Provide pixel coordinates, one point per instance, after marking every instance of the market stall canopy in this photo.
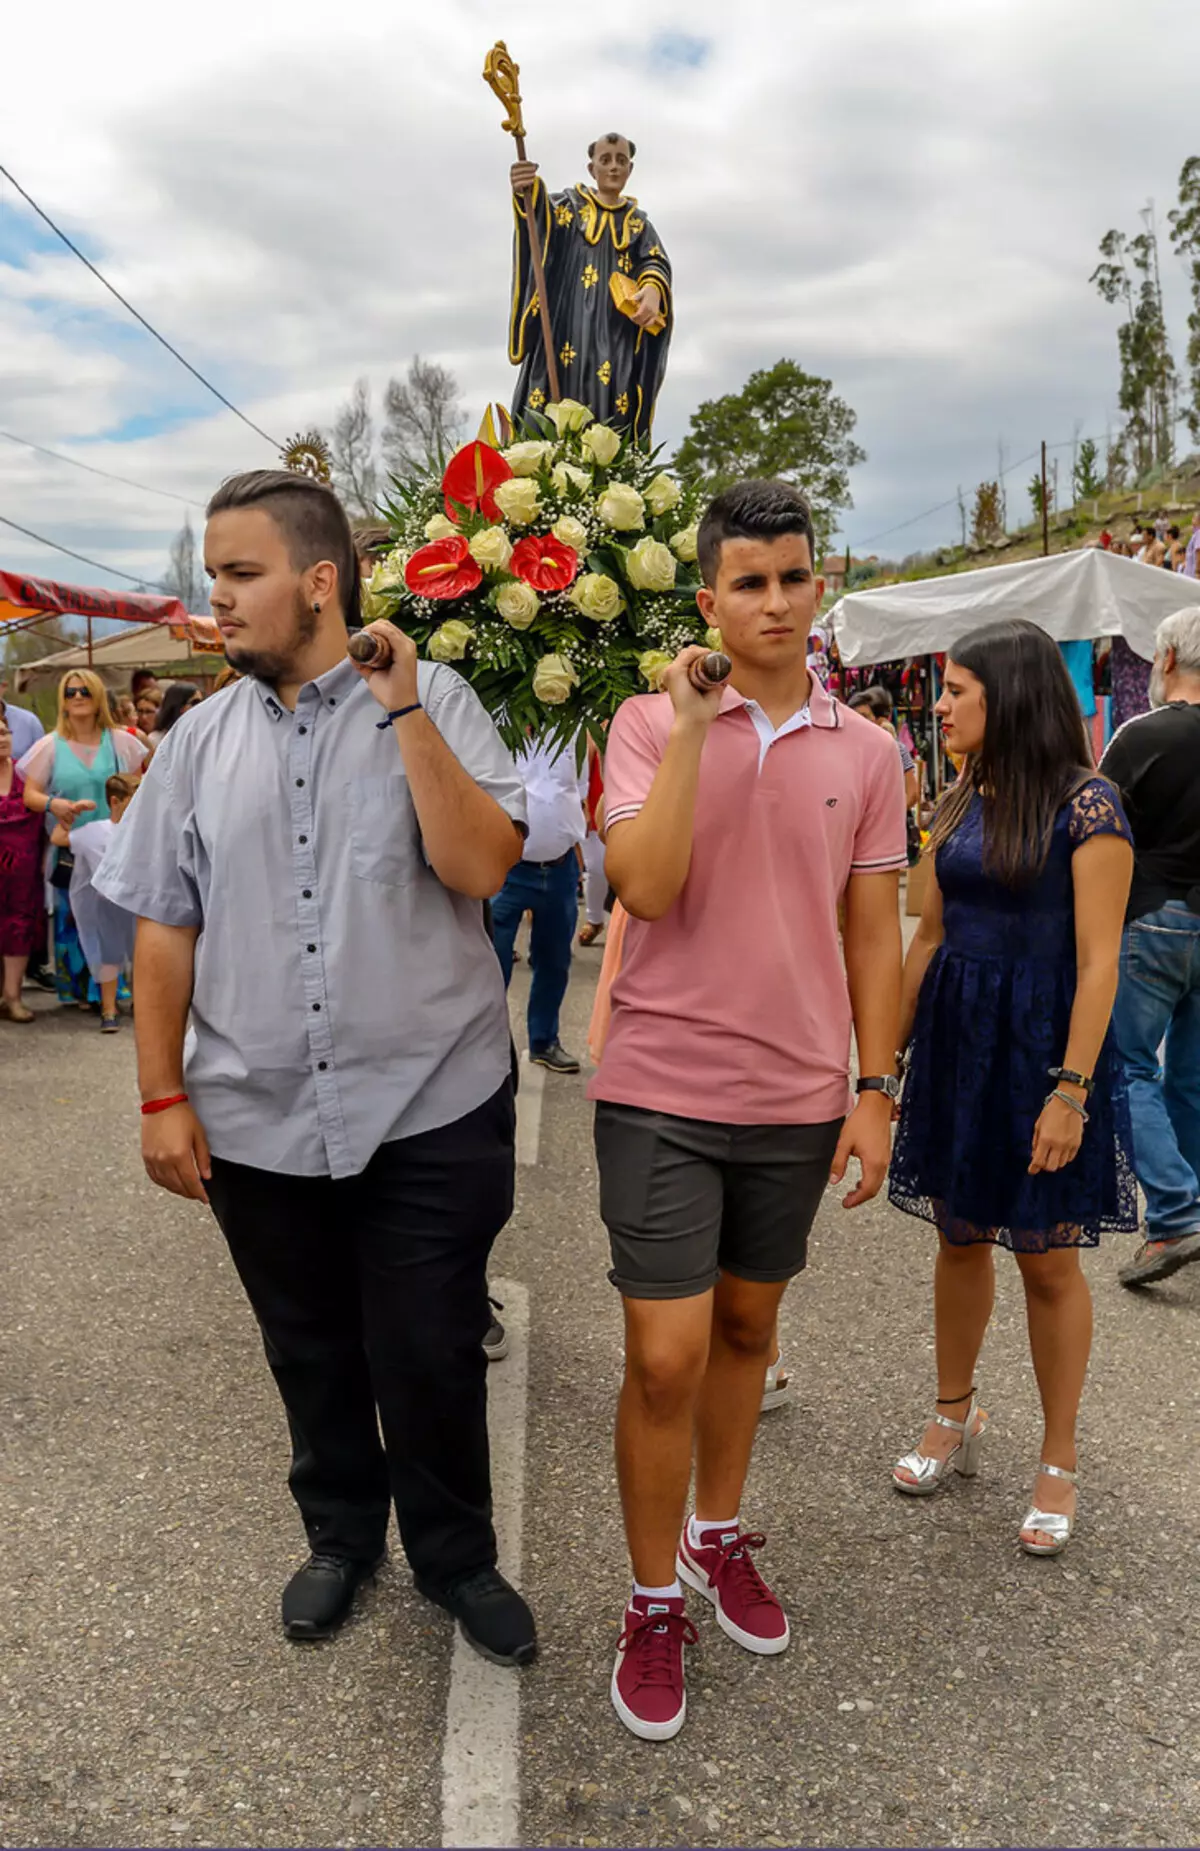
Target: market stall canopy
(115, 657)
(24, 600)
(1074, 597)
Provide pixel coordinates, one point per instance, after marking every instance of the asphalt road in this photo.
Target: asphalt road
(941, 1688)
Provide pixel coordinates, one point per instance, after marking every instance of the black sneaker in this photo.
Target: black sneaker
(555, 1057)
(319, 1596)
(495, 1344)
(491, 1615)
(43, 976)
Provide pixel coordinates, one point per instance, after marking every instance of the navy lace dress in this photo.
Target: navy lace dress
(992, 1017)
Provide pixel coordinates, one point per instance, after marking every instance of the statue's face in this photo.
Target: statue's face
(611, 165)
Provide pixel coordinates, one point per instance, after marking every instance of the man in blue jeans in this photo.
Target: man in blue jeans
(545, 882)
(1155, 763)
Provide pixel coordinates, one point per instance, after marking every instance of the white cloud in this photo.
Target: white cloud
(907, 199)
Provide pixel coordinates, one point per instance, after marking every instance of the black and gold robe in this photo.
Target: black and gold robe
(605, 360)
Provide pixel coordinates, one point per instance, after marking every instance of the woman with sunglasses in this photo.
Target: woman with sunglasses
(65, 774)
(1014, 1130)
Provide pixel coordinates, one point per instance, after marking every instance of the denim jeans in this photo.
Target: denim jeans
(550, 890)
(1157, 1014)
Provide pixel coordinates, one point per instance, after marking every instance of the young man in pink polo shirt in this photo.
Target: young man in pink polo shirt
(737, 822)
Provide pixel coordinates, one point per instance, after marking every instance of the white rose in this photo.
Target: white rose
(568, 415)
(490, 548)
(449, 643)
(651, 566)
(621, 507)
(553, 679)
(439, 528)
(597, 596)
(566, 476)
(601, 443)
(683, 544)
(389, 573)
(525, 459)
(662, 494)
(714, 639)
(571, 532)
(518, 500)
(651, 667)
(518, 604)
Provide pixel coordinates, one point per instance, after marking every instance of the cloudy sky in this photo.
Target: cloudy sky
(904, 198)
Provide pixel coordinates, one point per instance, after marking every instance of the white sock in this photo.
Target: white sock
(697, 1524)
(674, 1592)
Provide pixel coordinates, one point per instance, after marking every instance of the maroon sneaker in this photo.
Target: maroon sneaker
(722, 1571)
(647, 1680)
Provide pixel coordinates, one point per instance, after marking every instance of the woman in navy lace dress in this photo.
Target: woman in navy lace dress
(1014, 1130)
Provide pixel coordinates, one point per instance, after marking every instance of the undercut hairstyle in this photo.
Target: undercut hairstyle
(1036, 753)
(876, 698)
(121, 786)
(613, 136)
(311, 519)
(759, 509)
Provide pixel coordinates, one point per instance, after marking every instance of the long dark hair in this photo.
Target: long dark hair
(176, 696)
(1036, 752)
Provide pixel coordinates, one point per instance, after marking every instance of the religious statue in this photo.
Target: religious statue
(608, 291)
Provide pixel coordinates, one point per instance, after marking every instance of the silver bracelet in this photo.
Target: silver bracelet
(1067, 1100)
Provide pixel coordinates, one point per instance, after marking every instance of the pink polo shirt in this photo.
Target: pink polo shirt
(733, 1006)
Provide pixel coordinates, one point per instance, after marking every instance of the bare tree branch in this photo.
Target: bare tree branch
(423, 418)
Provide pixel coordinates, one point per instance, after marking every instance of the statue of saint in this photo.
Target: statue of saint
(608, 285)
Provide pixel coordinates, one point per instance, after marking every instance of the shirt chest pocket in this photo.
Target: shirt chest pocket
(385, 842)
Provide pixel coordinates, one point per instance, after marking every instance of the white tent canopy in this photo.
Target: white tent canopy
(1072, 596)
(114, 657)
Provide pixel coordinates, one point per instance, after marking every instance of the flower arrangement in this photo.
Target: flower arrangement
(558, 575)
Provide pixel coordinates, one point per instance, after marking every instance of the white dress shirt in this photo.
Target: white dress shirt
(556, 794)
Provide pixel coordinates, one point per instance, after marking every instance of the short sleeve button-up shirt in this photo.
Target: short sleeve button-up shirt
(343, 996)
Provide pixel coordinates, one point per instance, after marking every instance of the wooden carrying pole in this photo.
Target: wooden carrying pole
(501, 75)
(1045, 507)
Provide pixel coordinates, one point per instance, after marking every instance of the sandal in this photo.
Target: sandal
(590, 933)
(1051, 1523)
(927, 1472)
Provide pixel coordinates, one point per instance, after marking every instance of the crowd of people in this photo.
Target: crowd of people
(61, 794)
(338, 925)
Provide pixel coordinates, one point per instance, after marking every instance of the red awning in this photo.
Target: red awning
(24, 599)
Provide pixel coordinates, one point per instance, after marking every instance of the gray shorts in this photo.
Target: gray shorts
(685, 1199)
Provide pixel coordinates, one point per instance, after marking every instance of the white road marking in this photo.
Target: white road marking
(481, 1798)
(529, 1110)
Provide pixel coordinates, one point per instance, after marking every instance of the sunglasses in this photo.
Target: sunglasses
(77, 694)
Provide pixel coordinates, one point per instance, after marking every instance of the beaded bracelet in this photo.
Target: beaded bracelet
(1067, 1100)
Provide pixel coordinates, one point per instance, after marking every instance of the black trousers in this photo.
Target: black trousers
(371, 1295)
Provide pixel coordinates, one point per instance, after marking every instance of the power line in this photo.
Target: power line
(83, 559)
(953, 502)
(113, 291)
(94, 471)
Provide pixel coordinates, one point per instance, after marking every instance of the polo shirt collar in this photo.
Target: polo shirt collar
(330, 689)
(822, 708)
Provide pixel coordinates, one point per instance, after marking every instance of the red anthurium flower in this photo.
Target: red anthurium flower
(443, 569)
(472, 475)
(544, 562)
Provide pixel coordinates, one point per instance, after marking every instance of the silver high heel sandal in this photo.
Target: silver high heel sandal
(929, 1473)
(1050, 1522)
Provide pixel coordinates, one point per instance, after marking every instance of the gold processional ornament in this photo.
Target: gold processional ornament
(308, 455)
(503, 76)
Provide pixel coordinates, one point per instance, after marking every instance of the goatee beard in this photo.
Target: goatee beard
(274, 665)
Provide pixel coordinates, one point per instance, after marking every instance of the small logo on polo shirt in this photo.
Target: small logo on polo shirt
(831, 803)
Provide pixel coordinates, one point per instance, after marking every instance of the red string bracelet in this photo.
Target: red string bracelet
(163, 1105)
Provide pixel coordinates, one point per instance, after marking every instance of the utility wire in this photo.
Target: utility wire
(113, 291)
(92, 470)
(141, 583)
(953, 501)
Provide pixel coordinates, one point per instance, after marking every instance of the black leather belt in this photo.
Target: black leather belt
(556, 863)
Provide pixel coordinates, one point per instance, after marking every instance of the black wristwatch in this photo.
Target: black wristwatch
(888, 1084)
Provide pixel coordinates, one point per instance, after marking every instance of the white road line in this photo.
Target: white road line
(481, 1755)
(529, 1110)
